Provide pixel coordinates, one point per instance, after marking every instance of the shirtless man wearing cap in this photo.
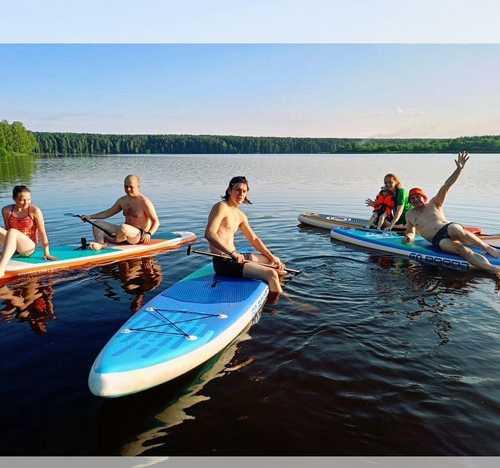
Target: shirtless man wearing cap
(141, 220)
(428, 219)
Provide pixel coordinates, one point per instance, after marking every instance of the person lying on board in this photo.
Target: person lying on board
(141, 220)
(225, 219)
(383, 208)
(392, 183)
(427, 218)
(24, 225)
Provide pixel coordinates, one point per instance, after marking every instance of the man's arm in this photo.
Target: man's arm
(115, 209)
(257, 242)
(211, 232)
(151, 213)
(439, 199)
(410, 229)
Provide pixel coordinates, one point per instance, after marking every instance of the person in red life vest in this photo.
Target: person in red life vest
(24, 225)
(383, 208)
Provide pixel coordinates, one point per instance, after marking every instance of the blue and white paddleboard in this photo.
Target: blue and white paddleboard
(420, 250)
(176, 331)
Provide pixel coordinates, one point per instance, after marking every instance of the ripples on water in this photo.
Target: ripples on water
(370, 355)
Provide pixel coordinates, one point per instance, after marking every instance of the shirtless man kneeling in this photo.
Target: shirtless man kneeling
(224, 221)
(428, 219)
(141, 220)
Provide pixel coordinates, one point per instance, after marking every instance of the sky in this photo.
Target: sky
(355, 69)
(237, 21)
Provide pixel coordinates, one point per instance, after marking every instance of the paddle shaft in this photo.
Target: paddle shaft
(227, 257)
(110, 234)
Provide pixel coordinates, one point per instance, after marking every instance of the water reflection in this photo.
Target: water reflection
(137, 277)
(175, 412)
(432, 291)
(30, 302)
(15, 169)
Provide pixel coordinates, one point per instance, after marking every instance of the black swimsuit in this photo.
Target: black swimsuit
(440, 235)
(228, 267)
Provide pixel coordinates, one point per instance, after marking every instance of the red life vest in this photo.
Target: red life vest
(386, 202)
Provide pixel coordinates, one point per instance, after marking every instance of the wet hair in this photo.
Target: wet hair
(19, 189)
(395, 177)
(235, 181)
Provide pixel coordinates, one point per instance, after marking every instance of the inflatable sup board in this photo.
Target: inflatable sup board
(72, 256)
(420, 250)
(176, 331)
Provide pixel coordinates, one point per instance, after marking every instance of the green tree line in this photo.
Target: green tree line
(88, 143)
(14, 138)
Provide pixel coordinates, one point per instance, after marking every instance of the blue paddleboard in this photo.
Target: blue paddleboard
(176, 331)
(420, 250)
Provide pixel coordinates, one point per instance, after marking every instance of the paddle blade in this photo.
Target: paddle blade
(188, 250)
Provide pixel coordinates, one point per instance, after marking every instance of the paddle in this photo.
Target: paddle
(86, 220)
(190, 250)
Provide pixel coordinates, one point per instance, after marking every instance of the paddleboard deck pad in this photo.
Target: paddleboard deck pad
(176, 331)
(72, 256)
(420, 250)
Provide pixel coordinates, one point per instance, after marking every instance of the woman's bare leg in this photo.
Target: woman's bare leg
(12, 241)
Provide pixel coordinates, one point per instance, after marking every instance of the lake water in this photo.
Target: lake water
(373, 355)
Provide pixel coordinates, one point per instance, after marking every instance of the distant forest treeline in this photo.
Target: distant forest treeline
(14, 138)
(88, 143)
(85, 143)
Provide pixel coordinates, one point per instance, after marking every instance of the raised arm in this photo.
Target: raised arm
(460, 162)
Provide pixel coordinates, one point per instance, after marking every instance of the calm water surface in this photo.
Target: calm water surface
(372, 355)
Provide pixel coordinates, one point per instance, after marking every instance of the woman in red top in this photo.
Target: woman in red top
(23, 224)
